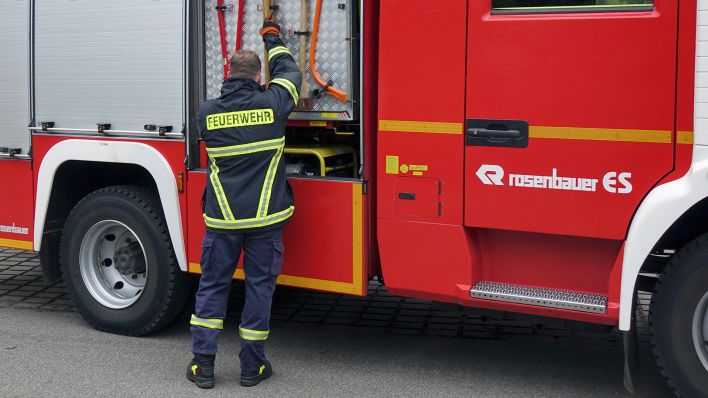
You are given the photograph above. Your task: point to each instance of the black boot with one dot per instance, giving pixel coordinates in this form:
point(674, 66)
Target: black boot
point(252, 379)
point(201, 370)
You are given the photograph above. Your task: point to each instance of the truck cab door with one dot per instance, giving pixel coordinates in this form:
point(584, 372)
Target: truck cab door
point(17, 200)
point(569, 115)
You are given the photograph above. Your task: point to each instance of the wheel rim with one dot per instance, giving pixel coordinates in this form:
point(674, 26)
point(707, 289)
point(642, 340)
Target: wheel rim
point(700, 330)
point(113, 264)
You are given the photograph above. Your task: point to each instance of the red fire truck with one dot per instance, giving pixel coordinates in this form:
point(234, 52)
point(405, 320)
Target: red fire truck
point(543, 157)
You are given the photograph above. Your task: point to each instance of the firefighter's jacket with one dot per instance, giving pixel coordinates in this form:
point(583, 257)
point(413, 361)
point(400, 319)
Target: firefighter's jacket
point(244, 132)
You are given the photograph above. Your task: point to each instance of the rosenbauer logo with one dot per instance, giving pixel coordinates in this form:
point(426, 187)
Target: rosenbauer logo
point(14, 230)
point(612, 182)
point(491, 174)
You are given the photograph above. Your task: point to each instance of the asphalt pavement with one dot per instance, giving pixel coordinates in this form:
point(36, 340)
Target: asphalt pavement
point(321, 345)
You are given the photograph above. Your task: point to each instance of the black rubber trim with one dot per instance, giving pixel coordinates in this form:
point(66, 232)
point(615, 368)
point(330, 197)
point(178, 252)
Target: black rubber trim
point(498, 133)
point(569, 10)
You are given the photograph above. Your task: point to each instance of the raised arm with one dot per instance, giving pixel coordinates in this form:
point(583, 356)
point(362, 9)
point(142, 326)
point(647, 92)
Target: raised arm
point(286, 78)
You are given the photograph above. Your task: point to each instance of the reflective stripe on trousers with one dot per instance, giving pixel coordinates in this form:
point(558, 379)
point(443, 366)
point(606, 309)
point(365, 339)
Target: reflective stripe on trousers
point(209, 323)
point(253, 335)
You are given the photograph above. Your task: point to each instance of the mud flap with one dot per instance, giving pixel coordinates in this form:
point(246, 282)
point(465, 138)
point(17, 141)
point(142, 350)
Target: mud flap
point(631, 351)
point(49, 255)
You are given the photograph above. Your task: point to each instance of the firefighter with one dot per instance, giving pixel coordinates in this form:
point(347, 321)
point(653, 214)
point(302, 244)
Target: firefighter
point(247, 202)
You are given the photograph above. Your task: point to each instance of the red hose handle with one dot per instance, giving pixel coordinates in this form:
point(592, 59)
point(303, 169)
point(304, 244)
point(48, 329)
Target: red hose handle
point(239, 24)
point(222, 33)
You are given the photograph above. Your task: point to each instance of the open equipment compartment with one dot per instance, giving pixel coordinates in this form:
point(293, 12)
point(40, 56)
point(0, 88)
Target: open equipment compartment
point(335, 58)
point(323, 136)
point(327, 236)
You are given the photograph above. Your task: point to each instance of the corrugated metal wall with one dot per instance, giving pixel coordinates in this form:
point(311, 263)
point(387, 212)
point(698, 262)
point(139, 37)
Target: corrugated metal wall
point(701, 121)
point(105, 61)
point(14, 74)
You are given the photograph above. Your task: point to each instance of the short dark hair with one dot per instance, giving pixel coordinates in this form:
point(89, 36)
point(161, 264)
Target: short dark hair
point(245, 64)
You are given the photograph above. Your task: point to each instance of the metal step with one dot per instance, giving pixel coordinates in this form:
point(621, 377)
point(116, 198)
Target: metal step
point(554, 298)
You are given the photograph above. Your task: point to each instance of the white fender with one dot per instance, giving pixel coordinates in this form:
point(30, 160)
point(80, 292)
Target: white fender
point(666, 203)
point(661, 208)
point(113, 152)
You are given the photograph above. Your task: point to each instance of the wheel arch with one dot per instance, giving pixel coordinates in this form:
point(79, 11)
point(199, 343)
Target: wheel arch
point(692, 224)
point(137, 162)
point(669, 215)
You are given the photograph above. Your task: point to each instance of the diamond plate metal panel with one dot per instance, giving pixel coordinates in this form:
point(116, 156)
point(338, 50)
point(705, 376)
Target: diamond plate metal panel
point(214, 61)
point(554, 298)
point(334, 55)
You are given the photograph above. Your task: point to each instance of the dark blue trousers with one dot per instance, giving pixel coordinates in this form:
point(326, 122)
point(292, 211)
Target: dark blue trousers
point(262, 265)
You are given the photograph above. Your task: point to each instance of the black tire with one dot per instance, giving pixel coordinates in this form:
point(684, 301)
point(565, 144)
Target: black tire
point(678, 293)
point(165, 286)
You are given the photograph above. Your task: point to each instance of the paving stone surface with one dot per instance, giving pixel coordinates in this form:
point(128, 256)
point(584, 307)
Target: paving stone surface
point(22, 286)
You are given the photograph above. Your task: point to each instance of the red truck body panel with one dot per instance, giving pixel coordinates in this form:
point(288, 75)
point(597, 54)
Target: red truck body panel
point(600, 96)
point(17, 208)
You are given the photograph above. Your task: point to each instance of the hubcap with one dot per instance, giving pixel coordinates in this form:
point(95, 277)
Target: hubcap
point(112, 264)
point(700, 330)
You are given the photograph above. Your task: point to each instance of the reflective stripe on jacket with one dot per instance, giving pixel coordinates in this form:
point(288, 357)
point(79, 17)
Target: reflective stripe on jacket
point(244, 132)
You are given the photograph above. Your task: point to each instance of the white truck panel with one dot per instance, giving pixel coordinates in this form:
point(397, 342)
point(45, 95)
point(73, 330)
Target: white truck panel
point(667, 203)
point(14, 74)
point(103, 61)
point(701, 110)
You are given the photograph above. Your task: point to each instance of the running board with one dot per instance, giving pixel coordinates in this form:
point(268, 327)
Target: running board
point(529, 295)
